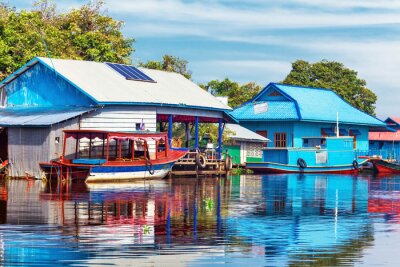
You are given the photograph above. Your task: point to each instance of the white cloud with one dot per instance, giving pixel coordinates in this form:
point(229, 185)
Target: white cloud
point(261, 71)
point(206, 14)
point(260, 24)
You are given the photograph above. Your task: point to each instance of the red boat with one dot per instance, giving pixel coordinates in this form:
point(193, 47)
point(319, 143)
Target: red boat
point(385, 166)
point(3, 166)
point(104, 156)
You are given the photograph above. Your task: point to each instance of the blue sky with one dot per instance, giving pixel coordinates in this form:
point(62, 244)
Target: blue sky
point(257, 40)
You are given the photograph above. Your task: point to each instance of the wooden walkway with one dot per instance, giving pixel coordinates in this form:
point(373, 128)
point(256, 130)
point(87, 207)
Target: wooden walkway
point(195, 163)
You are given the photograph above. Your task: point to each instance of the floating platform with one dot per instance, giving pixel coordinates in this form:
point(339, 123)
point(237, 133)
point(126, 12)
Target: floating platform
point(196, 163)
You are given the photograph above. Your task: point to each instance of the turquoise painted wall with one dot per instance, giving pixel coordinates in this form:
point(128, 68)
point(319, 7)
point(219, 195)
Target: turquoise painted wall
point(308, 129)
point(42, 87)
point(304, 129)
point(272, 128)
point(339, 152)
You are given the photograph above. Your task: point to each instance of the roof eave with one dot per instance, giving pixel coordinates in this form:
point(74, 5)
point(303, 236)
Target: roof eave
point(163, 105)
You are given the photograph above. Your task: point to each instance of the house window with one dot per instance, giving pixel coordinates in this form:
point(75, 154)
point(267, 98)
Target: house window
point(274, 93)
point(280, 140)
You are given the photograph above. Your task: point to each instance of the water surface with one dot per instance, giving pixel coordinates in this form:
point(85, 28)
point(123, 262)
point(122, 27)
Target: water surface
point(271, 220)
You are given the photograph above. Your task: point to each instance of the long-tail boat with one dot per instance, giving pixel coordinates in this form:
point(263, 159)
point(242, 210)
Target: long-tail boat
point(113, 156)
point(385, 166)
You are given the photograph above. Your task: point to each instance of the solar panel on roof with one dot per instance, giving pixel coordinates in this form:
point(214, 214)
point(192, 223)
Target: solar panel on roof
point(130, 72)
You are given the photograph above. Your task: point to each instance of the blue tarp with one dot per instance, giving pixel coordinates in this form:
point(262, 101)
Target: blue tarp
point(89, 161)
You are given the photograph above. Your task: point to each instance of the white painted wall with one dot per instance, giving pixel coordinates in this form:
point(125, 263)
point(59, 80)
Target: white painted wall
point(121, 119)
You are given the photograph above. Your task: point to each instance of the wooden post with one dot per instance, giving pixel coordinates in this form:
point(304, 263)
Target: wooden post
point(116, 148)
point(90, 145)
point(196, 144)
point(220, 133)
point(187, 134)
point(103, 152)
point(64, 146)
point(119, 142)
point(107, 148)
point(156, 148)
point(76, 145)
point(166, 146)
point(133, 149)
point(170, 130)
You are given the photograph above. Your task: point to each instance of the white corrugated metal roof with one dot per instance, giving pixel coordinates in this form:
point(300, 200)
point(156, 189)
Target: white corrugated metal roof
point(10, 117)
point(244, 134)
point(105, 85)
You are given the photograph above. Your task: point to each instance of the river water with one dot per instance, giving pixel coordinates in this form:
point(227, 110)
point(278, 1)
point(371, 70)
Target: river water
point(253, 220)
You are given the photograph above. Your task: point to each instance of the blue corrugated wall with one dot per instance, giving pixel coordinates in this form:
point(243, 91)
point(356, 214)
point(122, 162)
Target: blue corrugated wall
point(272, 128)
point(41, 87)
point(303, 129)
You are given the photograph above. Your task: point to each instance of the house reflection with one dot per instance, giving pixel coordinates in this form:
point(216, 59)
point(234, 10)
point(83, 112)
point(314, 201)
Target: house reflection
point(286, 219)
point(312, 218)
point(162, 211)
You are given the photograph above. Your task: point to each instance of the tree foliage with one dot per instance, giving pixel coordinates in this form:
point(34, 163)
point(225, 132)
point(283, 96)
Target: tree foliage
point(169, 63)
point(333, 75)
point(237, 94)
point(84, 33)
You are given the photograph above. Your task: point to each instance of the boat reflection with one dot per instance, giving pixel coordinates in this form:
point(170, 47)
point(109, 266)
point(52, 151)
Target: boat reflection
point(384, 197)
point(321, 220)
point(3, 201)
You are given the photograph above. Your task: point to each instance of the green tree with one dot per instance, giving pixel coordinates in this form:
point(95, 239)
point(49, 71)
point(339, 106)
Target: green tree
point(237, 94)
point(169, 63)
point(335, 76)
point(84, 33)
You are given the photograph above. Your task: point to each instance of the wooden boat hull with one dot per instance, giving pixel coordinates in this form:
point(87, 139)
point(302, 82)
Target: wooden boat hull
point(121, 171)
point(271, 167)
point(383, 166)
point(107, 173)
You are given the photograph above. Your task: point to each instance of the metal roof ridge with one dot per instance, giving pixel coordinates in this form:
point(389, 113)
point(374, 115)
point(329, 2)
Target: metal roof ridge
point(304, 87)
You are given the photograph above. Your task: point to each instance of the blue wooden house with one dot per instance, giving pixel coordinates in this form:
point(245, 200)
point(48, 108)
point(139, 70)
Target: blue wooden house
point(286, 114)
point(46, 96)
point(386, 144)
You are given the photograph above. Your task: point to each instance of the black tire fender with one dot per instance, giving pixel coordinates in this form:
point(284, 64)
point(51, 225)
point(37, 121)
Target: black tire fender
point(228, 163)
point(301, 163)
point(149, 166)
point(201, 161)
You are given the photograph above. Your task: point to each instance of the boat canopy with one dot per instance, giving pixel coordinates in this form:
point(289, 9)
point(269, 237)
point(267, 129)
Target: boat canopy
point(91, 134)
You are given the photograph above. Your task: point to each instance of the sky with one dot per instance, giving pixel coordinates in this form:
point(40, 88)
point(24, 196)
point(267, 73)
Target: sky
point(257, 40)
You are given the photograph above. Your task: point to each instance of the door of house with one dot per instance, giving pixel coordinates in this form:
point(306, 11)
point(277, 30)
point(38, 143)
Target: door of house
point(3, 144)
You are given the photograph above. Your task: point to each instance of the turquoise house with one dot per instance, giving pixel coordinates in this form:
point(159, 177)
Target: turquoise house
point(286, 114)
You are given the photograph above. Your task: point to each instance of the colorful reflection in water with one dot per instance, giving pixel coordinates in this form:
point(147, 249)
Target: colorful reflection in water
point(274, 220)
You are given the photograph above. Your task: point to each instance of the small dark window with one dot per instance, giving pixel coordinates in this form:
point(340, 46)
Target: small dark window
point(280, 140)
point(137, 126)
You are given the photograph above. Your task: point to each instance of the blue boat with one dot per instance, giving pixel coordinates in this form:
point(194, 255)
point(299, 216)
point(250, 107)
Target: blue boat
point(317, 155)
